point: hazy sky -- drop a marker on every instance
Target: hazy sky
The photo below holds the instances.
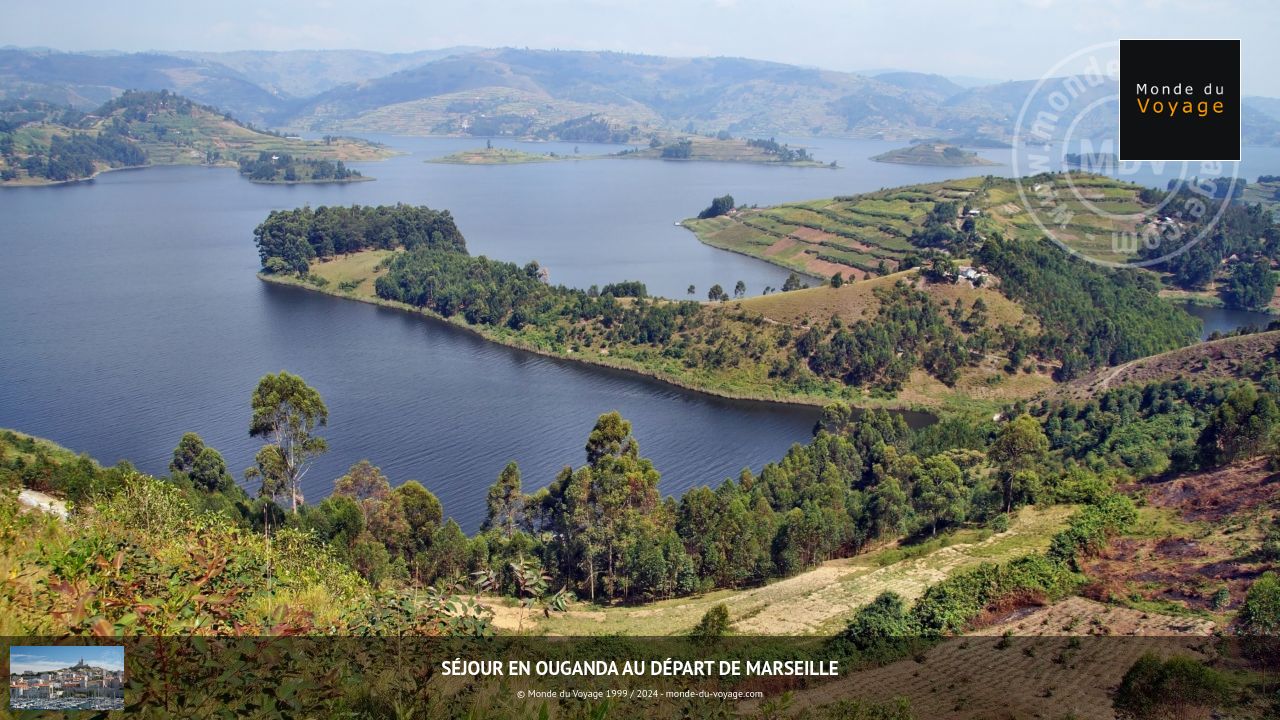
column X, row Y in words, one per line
column 998, row 39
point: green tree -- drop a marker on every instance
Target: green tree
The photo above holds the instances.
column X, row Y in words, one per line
column 793, row 282
column 287, row 411
column 422, row 510
column 505, row 501
column 717, row 293
column 209, row 472
column 713, row 625
column 1259, row 617
column 719, row 206
column 185, row 454
column 601, row 511
column 739, row 289
column 879, row 627
column 1242, row 426
column 837, row 279
column 940, row 491
column 384, row 514
column 888, row 506
column 1251, row 285
column 1019, row 445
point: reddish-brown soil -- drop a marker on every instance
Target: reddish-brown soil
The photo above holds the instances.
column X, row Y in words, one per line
column 1217, row 520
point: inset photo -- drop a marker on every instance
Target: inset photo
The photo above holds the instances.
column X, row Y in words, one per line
column 60, row 677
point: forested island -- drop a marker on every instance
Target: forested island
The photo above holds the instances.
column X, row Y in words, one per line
column 42, row 143
column 271, row 167
column 490, row 155
column 723, row 147
column 930, row 153
column 1092, row 162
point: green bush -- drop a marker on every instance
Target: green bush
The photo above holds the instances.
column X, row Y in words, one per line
column 1154, row 689
column 1089, row 529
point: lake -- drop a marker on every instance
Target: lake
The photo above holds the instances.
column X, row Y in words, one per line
column 130, row 314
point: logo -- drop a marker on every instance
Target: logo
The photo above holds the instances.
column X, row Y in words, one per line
column 1067, row 134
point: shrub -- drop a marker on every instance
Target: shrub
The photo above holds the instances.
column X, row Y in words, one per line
column 1090, row 528
column 713, row 625
column 1173, row 688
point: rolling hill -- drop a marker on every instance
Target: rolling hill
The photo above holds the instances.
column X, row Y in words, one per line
column 525, row 93
column 42, row 143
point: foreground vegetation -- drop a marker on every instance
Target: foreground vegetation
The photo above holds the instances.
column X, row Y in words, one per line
column 944, row 510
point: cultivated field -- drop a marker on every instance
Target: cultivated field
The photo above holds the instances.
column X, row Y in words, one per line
column 866, row 234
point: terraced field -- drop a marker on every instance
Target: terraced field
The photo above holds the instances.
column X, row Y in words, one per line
column 869, row 234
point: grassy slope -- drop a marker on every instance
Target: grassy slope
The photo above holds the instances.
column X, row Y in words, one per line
column 12, row 440
column 1223, row 358
column 984, row 386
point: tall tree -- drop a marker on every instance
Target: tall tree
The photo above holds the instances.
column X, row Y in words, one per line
column 287, row 411
column 1019, row 445
column 940, row 491
column 505, row 501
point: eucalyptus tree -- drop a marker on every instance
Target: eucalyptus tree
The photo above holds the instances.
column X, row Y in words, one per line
column 286, row 412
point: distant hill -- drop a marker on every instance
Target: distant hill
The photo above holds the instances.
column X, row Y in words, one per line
column 924, row 82
column 42, row 142
column 693, row 94
column 86, row 81
column 303, row 73
column 529, row 93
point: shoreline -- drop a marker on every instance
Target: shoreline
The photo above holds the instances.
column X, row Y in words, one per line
column 72, row 181
column 762, row 258
column 605, row 361
column 362, row 178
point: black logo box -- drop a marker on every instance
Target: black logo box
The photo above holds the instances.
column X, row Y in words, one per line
column 1186, row 65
